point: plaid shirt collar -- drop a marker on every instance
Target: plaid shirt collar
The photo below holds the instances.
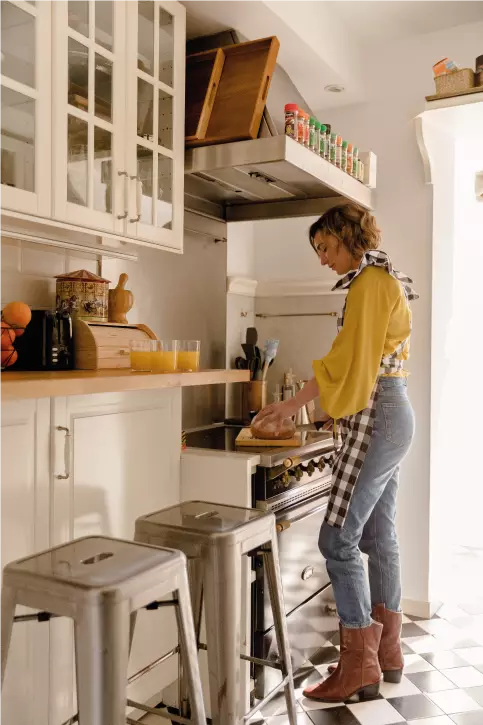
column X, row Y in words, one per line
column 378, row 258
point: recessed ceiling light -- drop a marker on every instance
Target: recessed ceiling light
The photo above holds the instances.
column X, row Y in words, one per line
column 334, row 88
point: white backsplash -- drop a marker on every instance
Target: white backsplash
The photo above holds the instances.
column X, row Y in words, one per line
column 29, row 270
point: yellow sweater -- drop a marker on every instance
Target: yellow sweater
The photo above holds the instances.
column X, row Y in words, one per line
column 377, row 319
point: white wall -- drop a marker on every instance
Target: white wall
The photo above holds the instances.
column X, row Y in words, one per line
column 400, row 77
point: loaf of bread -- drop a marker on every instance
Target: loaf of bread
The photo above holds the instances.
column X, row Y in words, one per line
column 268, row 431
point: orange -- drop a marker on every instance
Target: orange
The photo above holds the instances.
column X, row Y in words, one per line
column 9, row 357
column 8, row 336
column 17, row 314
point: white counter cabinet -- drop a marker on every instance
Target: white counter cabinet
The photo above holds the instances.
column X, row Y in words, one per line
column 73, row 467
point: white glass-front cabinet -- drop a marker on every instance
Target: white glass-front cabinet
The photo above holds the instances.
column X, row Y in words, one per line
column 118, row 95
column 26, row 106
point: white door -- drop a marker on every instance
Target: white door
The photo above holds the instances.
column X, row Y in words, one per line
column 90, row 177
column 25, row 530
column 156, row 38
column 123, row 460
column 26, row 106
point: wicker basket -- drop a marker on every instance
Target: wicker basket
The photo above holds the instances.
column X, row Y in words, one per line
column 455, row 82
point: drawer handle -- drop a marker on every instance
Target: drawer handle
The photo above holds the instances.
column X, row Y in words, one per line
column 122, row 351
column 139, row 197
column 282, row 526
column 126, row 191
column 307, row 573
column 66, row 475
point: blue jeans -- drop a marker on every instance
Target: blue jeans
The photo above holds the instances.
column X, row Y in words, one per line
column 370, row 523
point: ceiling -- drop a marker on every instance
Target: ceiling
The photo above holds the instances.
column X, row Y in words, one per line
column 377, row 20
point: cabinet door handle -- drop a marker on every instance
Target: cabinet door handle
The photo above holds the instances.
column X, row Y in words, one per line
column 126, row 192
column 139, row 195
column 67, row 438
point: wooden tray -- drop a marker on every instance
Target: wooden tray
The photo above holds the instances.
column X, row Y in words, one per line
column 245, row 438
column 203, row 73
column 240, row 101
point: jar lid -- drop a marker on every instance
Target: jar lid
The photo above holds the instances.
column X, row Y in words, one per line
column 356, row 150
column 349, row 147
column 345, row 144
column 312, row 120
column 291, row 107
column 317, row 124
column 323, row 127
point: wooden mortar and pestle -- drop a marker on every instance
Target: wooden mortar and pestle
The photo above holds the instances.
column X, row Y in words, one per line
column 120, row 301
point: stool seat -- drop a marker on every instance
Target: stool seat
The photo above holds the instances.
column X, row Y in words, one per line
column 203, row 518
column 94, row 562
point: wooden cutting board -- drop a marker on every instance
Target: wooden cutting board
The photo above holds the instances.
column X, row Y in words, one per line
column 203, row 73
column 242, row 92
column 245, row 438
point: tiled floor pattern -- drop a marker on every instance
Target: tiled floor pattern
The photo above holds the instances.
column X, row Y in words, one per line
column 442, row 682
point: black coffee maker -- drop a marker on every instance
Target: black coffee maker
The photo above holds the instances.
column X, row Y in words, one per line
column 47, row 343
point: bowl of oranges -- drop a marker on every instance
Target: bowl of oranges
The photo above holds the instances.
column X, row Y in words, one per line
column 15, row 318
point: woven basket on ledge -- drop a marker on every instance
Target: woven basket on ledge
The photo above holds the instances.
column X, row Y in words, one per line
column 454, row 82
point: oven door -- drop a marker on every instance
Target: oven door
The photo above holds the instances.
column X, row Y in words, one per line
column 306, row 589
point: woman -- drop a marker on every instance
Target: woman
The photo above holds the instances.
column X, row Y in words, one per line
column 362, row 387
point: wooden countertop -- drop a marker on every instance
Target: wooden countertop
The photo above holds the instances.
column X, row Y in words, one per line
column 16, row 385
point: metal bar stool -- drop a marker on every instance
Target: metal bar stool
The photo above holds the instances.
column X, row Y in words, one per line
column 214, row 537
column 100, row 582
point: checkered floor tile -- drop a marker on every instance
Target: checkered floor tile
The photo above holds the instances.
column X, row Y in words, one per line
column 442, row 682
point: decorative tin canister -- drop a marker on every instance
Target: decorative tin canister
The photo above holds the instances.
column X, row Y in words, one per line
column 84, row 294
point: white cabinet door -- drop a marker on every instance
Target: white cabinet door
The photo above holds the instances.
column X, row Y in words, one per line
column 25, row 530
column 123, row 461
column 26, row 106
column 90, row 176
column 156, row 38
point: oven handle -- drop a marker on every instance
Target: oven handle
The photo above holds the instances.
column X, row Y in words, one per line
column 301, row 512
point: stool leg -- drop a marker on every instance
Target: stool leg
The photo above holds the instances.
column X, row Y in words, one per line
column 117, row 630
column 88, row 661
column 189, row 651
column 222, row 593
column 274, row 579
column 8, row 613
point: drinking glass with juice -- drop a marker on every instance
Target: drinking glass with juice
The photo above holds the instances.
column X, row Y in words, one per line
column 189, row 355
column 164, row 354
column 140, row 355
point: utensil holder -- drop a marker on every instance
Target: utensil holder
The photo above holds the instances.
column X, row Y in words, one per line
column 254, row 397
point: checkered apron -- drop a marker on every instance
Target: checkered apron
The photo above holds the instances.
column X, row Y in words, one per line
column 356, row 430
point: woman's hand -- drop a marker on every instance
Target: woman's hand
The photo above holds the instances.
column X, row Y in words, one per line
column 276, row 413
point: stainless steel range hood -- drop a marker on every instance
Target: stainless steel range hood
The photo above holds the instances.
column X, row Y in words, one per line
column 266, row 178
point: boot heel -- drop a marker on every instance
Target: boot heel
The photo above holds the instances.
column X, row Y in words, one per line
column 370, row 692
column 393, row 676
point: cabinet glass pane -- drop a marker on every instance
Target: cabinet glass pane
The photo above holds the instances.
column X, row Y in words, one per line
column 104, row 23
column 164, row 203
column 79, row 16
column 78, row 65
column 18, row 44
column 165, row 120
column 18, row 140
column 146, row 37
column 166, row 47
column 77, row 161
column 103, row 87
column 145, row 109
column 145, row 174
column 102, row 170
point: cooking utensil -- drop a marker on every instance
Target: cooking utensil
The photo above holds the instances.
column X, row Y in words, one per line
column 241, row 363
column 249, row 351
column 252, row 336
column 271, row 348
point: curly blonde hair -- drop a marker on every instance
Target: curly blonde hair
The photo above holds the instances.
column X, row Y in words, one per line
column 352, row 225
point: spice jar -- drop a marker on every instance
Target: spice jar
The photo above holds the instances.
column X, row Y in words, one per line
column 328, row 131
column 338, row 151
column 355, row 162
column 300, row 127
column 291, row 120
column 343, row 158
column 350, row 152
column 306, row 129
column 333, row 144
column 322, row 140
column 312, row 134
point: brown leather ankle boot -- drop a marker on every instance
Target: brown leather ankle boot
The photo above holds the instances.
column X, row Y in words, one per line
column 358, row 671
column 391, row 658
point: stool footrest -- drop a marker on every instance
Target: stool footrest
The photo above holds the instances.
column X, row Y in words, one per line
column 248, row 658
column 163, row 713
column 266, row 699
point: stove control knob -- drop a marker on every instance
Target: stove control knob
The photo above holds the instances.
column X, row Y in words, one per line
column 288, row 463
column 310, row 468
column 321, row 465
column 298, row 473
column 285, row 480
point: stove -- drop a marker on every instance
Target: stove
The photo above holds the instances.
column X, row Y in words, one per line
column 294, row 484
